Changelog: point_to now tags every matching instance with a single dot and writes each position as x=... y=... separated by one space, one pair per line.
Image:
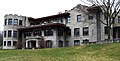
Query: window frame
x=76 y=42
x=76 y=31
x=79 y=18
x=5 y=32
x=15 y=22
x=85 y=33
x=9 y=33
x=48 y=32
x=8 y=43
x=14 y=34
x=10 y=21
x=5 y=22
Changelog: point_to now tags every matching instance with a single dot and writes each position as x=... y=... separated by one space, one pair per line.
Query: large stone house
x=72 y=28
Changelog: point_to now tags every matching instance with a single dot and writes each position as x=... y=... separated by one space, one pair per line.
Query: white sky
x=34 y=8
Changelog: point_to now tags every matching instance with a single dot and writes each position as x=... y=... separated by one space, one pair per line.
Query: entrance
x=31 y=44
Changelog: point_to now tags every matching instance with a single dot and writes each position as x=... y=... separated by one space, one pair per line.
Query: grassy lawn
x=106 y=52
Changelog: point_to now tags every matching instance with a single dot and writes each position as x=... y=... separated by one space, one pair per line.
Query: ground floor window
x=9 y=43
x=4 y=43
x=85 y=41
x=14 y=43
x=49 y=44
x=60 y=43
x=76 y=42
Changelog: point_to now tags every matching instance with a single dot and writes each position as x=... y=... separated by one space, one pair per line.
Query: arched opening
x=60 y=43
x=48 y=44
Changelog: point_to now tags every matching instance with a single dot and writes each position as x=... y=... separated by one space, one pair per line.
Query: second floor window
x=78 y=18
x=68 y=19
x=106 y=30
x=37 y=33
x=9 y=21
x=76 y=31
x=9 y=33
x=48 y=32
x=4 y=33
x=5 y=21
x=60 y=32
x=15 y=34
x=15 y=22
x=118 y=19
x=90 y=16
x=85 y=31
x=27 y=33
x=20 y=22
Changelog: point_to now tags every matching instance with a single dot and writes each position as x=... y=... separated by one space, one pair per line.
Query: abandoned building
x=72 y=28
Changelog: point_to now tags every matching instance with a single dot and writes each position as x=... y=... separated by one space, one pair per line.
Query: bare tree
x=109 y=9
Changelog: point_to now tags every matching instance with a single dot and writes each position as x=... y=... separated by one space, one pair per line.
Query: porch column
x=37 y=43
x=55 y=44
x=26 y=44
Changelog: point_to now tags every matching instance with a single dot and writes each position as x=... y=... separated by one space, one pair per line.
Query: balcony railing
x=33 y=37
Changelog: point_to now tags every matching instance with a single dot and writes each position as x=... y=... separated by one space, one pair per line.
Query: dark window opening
x=14 y=43
x=48 y=32
x=78 y=18
x=118 y=19
x=90 y=16
x=76 y=42
x=85 y=31
x=4 y=33
x=15 y=34
x=60 y=32
x=15 y=22
x=68 y=19
x=28 y=33
x=37 y=33
x=76 y=31
x=9 y=33
x=68 y=32
x=9 y=43
x=20 y=22
x=86 y=41
x=4 y=43
x=9 y=21
x=106 y=30
x=5 y=21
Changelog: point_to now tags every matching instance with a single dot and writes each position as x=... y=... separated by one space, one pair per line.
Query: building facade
x=72 y=28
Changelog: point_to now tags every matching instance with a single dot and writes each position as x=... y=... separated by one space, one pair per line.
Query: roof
x=43 y=26
x=49 y=17
x=94 y=9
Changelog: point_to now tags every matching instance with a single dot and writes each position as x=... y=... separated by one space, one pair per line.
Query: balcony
x=33 y=37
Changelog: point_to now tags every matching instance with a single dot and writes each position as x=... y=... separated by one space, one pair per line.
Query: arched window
x=48 y=44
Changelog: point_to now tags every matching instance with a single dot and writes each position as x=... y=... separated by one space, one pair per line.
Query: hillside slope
x=105 y=52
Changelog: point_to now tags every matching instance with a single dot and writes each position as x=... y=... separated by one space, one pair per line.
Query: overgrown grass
x=106 y=52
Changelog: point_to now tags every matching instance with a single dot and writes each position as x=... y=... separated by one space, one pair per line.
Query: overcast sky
x=34 y=8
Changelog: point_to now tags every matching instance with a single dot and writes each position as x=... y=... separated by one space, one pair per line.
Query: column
x=37 y=43
x=55 y=44
x=26 y=44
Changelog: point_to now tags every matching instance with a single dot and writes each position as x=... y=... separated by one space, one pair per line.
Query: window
x=15 y=34
x=9 y=33
x=9 y=43
x=61 y=20
x=118 y=19
x=85 y=41
x=68 y=33
x=85 y=31
x=68 y=19
x=14 y=43
x=5 y=21
x=37 y=33
x=4 y=43
x=90 y=16
x=48 y=32
x=78 y=18
x=106 y=30
x=76 y=31
x=4 y=33
x=60 y=32
x=9 y=21
x=27 y=33
x=15 y=22
x=20 y=22
x=76 y=42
